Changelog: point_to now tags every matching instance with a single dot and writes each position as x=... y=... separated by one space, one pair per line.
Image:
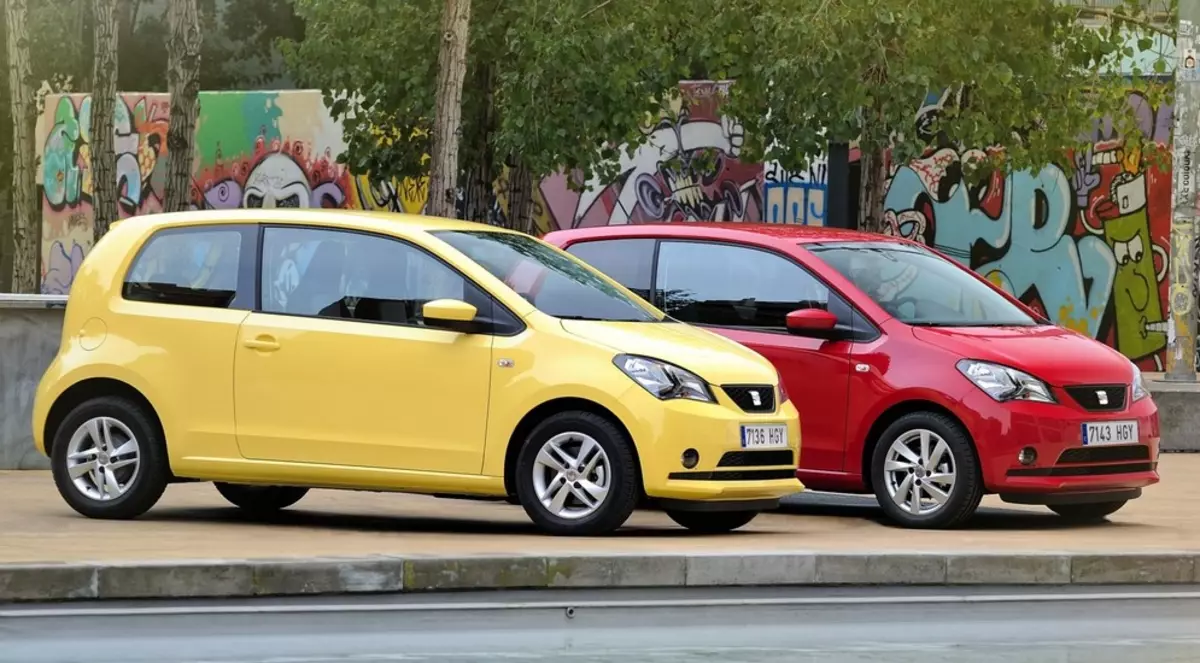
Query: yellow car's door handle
x=262 y=344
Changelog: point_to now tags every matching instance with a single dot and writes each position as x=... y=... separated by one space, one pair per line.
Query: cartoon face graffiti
x=277 y=181
x=1136 y=302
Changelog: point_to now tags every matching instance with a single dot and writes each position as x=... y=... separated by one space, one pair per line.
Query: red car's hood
x=1053 y=354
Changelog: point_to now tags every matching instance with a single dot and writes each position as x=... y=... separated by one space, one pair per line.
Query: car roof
x=790 y=233
x=341 y=218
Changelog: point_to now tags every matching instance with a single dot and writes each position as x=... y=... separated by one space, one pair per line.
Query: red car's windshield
x=919 y=287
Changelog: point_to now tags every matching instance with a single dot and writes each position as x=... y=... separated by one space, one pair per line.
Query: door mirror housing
x=449 y=314
x=812 y=322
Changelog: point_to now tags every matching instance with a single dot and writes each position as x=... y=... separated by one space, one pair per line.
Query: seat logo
x=1102 y=397
x=756 y=399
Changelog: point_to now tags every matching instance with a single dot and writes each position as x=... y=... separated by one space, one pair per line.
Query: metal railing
x=9 y=300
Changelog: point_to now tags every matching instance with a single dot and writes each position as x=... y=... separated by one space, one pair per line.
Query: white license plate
x=1110 y=432
x=766 y=436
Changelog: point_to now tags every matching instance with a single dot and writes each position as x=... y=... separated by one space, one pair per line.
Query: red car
x=915 y=378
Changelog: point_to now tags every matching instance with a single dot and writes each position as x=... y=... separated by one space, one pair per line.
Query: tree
x=1025 y=79
x=104 y=97
x=27 y=220
x=183 y=76
x=552 y=83
x=382 y=94
x=447 y=114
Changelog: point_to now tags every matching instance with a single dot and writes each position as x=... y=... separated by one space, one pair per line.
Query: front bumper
x=725 y=471
x=1064 y=465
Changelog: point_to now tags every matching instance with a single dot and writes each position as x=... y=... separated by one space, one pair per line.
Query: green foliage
x=376 y=60
x=1027 y=75
x=564 y=83
x=560 y=83
x=583 y=77
x=238 y=50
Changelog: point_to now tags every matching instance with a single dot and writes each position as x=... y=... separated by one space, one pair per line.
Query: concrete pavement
x=193 y=521
x=389 y=542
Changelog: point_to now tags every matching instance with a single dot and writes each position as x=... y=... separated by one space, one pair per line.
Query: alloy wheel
x=572 y=475
x=920 y=472
x=103 y=459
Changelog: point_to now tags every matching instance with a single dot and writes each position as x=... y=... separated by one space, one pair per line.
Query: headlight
x=666 y=381
x=1139 y=385
x=1005 y=384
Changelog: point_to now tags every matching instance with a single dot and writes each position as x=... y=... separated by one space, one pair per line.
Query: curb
x=386 y=574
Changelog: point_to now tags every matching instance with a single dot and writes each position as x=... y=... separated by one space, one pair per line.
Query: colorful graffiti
x=253 y=149
x=796 y=197
x=279 y=149
x=686 y=170
x=1088 y=248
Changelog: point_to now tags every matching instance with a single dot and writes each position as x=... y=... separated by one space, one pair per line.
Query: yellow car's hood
x=715 y=358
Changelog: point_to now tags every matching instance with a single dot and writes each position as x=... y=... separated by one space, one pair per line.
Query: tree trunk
x=872 y=190
x=183 y=82
x=104 y=98
x=447 y=126
x=26 y=220
x=479 y=195
x=520 y=198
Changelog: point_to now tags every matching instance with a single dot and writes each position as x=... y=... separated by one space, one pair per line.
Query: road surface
x=985 y=625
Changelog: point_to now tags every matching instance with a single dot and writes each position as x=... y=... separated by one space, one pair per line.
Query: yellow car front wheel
x=577 y=475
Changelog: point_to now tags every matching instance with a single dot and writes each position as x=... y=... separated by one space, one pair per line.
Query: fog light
x=1028 y=456
x=690 y=458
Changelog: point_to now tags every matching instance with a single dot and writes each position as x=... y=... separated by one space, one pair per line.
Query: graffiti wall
x=796 y=197
x=279 y=149
x=253 y=149
x=1088 y=247
x=687 y=170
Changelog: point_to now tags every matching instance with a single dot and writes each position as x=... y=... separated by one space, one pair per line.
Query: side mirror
x=449 y=314
x=812 y=322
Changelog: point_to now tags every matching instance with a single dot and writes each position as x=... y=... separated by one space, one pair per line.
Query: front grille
x=1089 y=397
x=1082 y=470
x=735 y=475
x=1104 y=454
x=745 y=396
x=756 y=458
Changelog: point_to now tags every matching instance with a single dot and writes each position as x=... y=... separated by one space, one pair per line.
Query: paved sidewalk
x=194 y=522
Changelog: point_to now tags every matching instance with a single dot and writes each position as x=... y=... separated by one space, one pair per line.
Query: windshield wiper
x=584 y=317
x=969 y=324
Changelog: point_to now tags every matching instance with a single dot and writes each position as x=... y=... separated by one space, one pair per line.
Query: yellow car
x=274 y=351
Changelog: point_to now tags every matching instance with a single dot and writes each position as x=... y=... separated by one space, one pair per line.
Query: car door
x=745 y=293
x=337 y=366
x=183 y=300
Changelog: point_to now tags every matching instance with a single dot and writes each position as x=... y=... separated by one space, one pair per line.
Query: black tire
x=1092 y=512
x=153 y=470
x=260 y=500
x=712 y=522
x=967 y=491
x=625 y=483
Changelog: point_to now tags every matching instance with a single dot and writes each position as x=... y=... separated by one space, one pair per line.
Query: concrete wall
x=30 y=329
x=1178 y=413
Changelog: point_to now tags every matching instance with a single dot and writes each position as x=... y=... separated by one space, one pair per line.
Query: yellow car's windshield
x=547 y=279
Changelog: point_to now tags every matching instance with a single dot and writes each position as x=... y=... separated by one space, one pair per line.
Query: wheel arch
x=891 y=416
x=85 y=390
x=549 y=409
